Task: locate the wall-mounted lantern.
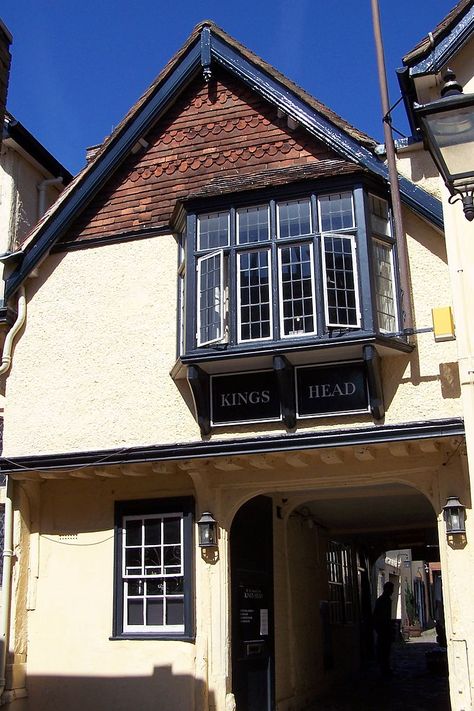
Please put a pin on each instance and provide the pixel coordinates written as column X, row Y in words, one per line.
column 455, row 516
column 207, row 530
column 447, row 126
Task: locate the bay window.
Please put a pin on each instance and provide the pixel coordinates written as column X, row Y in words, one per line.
column 318, row 266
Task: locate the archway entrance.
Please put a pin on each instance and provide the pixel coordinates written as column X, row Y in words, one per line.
column 314, row 561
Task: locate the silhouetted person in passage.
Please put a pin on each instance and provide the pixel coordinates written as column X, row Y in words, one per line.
column 382, row 619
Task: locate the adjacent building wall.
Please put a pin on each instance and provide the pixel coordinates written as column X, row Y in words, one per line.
column 20, row 177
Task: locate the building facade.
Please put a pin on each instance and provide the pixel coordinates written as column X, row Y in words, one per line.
column 214, row 331
column 450, row 45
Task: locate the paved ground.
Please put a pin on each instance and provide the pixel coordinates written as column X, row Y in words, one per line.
column 413, row 687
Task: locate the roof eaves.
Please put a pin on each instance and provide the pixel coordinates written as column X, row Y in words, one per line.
column 436, row 50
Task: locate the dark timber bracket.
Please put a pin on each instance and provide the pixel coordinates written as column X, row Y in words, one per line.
column 286, row 388
column 374, row 380
column 199, row 383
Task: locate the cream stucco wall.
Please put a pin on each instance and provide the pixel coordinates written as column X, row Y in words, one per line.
column 69, row 558
column 92, row 364
column 91, row 367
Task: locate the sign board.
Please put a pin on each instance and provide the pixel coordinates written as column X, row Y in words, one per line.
column 244, row 397
column 331, row 389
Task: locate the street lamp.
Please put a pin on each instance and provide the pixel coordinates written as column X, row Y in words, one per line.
column 447, row 125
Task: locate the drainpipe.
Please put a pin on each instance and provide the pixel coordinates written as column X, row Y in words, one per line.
column 6, row 583
column 8, row 524
column 8, row 345
column 42, row 187
column 400, row 237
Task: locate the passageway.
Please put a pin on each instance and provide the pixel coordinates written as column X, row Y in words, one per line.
column 366, row 536
column 414, row 686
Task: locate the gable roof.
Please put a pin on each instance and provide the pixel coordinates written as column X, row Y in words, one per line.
column 208, row 44
column 435, row 50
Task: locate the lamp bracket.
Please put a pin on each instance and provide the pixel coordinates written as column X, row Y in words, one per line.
column 467, row 199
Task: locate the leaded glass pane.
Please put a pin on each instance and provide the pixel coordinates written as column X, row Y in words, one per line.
column 254, row 293
column 336, row 212
column 213, row 230
column 296, row 283
column 384, row 287
column 253, row 224
column 341, row 297
column 210, row 298
column 294, row 218
column 379, row 217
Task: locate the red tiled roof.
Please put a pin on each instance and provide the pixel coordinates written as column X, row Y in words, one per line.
column 330, row 115
column 278, row 176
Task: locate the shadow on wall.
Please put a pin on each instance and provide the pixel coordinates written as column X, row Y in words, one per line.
column 403, row 370
column 163, row 690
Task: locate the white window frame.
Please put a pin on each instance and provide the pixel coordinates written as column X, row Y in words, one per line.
column 288, row 245
column 127, row 628
column 266, row 249
column 220, row 303
column 340, row 235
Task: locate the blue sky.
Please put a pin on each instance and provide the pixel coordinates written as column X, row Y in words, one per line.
column 78, row 67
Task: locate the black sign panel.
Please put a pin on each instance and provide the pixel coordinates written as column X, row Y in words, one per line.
column 244, row 397
column 253, row 611
column 332, row 388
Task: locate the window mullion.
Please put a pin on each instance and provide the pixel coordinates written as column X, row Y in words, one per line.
column 232, row 281
column 274, row 306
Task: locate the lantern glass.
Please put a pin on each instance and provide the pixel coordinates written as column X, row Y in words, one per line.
column 450, row 133
column 207, row 529
column 455, row 516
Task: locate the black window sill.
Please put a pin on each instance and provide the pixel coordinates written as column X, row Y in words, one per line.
column 152, row 637
column 225, row 352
